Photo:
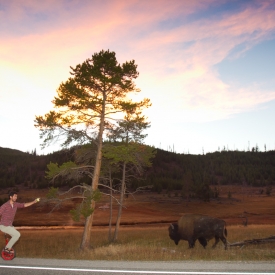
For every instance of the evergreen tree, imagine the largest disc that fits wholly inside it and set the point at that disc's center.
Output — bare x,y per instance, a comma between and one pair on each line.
88,101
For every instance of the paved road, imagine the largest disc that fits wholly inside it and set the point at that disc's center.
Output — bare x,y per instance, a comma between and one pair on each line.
21,266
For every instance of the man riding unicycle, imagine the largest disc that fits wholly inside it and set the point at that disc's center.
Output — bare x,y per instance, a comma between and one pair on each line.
7,213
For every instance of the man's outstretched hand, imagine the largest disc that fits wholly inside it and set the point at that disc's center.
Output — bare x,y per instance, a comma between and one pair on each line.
31,203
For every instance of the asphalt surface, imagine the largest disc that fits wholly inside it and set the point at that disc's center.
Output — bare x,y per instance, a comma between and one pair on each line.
24,266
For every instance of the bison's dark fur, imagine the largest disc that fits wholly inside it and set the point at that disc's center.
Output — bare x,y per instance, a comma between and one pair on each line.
192,227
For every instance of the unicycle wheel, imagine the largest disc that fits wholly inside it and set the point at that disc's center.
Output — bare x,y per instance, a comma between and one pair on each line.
8,256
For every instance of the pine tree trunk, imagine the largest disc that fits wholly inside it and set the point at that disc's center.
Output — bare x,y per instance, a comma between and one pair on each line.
86,237
121,202
111,209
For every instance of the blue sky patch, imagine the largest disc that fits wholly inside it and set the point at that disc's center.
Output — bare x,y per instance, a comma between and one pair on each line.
255,65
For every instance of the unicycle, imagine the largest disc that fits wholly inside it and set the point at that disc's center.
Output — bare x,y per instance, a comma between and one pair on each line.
7,256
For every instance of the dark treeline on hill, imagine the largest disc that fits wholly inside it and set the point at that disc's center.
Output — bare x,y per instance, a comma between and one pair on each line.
192,175
189,175
27,169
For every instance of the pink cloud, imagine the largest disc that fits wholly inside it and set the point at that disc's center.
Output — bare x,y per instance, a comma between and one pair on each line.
132,29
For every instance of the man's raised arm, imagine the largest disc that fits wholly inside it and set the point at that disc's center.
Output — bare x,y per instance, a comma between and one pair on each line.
27,204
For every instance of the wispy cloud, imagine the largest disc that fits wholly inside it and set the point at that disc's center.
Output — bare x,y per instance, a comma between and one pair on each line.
176,61
192,71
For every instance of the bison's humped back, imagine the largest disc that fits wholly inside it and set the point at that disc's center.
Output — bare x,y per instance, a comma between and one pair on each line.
186,225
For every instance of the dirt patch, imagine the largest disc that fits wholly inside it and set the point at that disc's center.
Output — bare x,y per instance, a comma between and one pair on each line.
245,206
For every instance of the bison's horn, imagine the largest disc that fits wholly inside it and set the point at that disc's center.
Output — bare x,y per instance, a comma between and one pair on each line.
172,226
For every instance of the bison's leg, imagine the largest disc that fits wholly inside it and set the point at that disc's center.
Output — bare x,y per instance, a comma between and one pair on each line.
216,241
191,243
203,241
224,242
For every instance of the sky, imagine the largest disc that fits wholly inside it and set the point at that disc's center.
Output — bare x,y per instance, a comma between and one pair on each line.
208,66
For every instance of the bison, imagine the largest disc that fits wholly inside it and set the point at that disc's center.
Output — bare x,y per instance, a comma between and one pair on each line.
192,227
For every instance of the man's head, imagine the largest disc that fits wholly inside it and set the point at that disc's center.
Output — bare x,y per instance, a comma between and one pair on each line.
13,196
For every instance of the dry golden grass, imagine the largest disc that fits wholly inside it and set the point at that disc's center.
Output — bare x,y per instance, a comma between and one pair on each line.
142,244
150,242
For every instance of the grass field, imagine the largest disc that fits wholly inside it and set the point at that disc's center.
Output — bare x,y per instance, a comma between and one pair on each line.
149,243
144,234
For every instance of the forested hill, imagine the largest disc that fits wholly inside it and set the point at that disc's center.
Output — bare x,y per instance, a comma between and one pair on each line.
28,169
192,174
